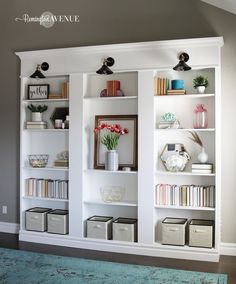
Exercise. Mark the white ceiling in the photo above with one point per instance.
(228, 5)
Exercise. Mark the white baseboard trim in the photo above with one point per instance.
(228, 249)
(11, 228)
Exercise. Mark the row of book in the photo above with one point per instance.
(162, 86)
(47, 188)
(185, 195)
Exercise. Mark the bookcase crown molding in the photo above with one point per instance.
(203, 52)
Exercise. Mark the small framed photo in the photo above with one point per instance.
(37, 92)
(128, 145)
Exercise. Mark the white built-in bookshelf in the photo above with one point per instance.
(136, 67)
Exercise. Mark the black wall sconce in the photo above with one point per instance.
(105, 70)
(38, 74)
(182, 66)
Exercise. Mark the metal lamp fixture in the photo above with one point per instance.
(38, 74)
(182, 66)
(105, 70)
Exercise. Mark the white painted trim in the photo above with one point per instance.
(138, 46)
(228, 249)
(11, 228)
(120, 247)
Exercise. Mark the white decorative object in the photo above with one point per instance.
(37, 116)
(201, 89)
(202, 157)
(112, 193)
(111, 161)
(175, 157)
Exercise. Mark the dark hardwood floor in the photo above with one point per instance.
(226, 265)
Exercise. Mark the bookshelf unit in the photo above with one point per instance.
(136, 67)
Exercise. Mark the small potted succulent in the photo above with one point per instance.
(200, 83)
(37, 111)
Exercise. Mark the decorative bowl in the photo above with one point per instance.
(112, 193)
(38, 161)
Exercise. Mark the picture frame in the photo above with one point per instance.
(38, 91)
(127, 146)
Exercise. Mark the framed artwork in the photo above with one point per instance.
(127, 146)
(37, 92)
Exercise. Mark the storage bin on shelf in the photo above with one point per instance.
(201, 233)
(125, 229)
(99, 227)
(58, 221)
(36, 219)
(173, 231)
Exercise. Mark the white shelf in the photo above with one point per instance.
(185, 247)
(187, 96)
(111, 172)
(183, 173)
(45, 100)
(111, 98)
(46, 169)
(46, 130)
(187, 129)
(45, 198)
(184, 207)
(100, 202)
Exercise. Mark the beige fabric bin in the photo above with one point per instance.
(201, 233)
(173, 231)
(125, 229)
(36, 219)
(99, 227)
(58, 221)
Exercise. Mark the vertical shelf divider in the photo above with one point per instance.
(75, 155)
(145, 157)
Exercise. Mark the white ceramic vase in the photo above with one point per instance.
(37, 116)
(111, 160)
(201, 89)
(202, 157)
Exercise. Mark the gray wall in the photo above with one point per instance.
(104, 22)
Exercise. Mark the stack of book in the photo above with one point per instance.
(36, 124)
(166, 124)
(61, 163)
(202, 168)
(176, 92)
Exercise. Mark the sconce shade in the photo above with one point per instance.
(105, 70)
(182, 66)
(38, 74)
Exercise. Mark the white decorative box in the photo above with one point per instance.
(201, 233)
(36, 219)
(173, 231)
(58, 221)
(125, 229)
(99, 227)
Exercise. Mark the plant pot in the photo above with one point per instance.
(111, 160)
(37, 116)
(202, 157)
(201, 89)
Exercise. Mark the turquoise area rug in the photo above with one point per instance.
(21, 267)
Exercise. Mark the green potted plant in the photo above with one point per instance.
(200, 83)
(37, 111)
